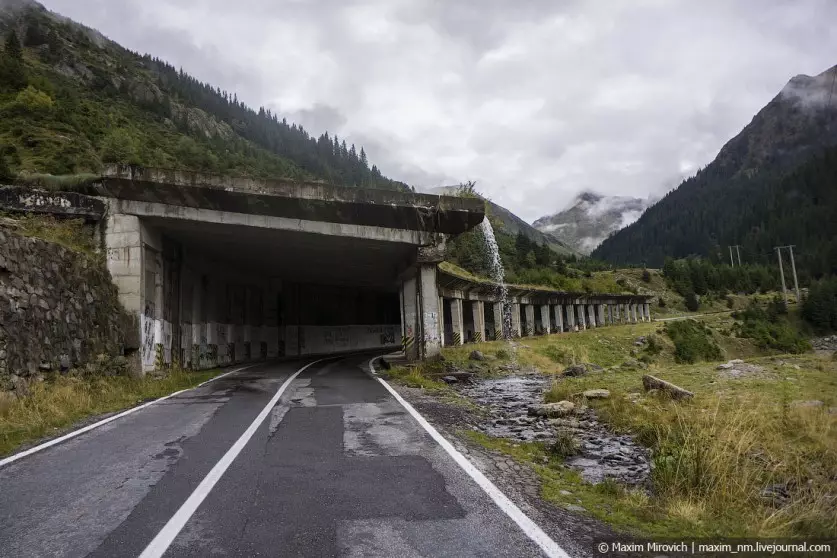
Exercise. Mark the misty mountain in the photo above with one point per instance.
(772, 184)
(512, 224)
(590, 219)
(72, 101)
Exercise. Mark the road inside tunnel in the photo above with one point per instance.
(219, 294)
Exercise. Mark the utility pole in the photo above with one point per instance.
(731, 262)
(795, 280)
(782, 273)
(737, 251)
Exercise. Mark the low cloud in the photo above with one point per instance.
(536, 101)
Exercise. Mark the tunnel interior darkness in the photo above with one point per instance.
(250, 293)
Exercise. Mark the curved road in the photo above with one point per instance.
(337, 468)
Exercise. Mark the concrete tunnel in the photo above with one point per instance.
(219, 271)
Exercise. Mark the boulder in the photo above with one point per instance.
(476, 355)
(581, 370)
(652, 383)
(552, 410)
(811, 403)
(596, 394)
(450, 379)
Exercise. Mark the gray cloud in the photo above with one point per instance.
(536, 101)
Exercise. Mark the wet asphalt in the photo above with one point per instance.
(339, 468)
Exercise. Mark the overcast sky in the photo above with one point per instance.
(534, 100)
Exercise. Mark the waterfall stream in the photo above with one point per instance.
(498, 275)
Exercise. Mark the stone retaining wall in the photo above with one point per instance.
(58, 309)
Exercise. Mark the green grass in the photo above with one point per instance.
(71, 234)
(62, 401)
(712, 455)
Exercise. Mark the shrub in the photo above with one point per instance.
(662, 303)
(770, 329)
(730, 302)
(501, 354)
(565, 445)
(820, 307)
(692, 342)
(646, 275)
(692, 302)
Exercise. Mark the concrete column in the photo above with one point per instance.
(559, 318)
(515, 320)
(431, 344)
(582, 320)
(457, 321)
(570, 308)
(545, 319)
(591, 315)
(441, 321)
(530, 320)
(601, 315)
(647, 308)
(499, 320)
(633, 313)
(409, 300)
(478, 309)
(609, 315)
(198, 325)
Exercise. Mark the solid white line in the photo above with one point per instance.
(89, 427)
(157, 547)
(549, 547)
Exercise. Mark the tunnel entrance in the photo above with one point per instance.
(222, 294)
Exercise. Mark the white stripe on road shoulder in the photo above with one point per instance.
(549, 547)
(89, 427)
(170, 530)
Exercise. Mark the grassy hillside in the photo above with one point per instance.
(72, 100)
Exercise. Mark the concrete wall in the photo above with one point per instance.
(58, 309)
(320, 340)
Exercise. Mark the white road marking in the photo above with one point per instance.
(89, 427)
(549, 547)
(157, 547)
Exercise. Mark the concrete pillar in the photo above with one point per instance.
(478, 310)
(457, 321)
(570, 309)
(559, 318)
(609, 316)
(633, 312)
(499, 321)
(441, 321)
(409, 301)
(647, 311)
(515, 320)
(591, 315)
(545, 319)
(601, 316)
(431, 344)
(529, 310)
(582, 320)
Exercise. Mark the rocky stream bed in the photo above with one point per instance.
(602, 453)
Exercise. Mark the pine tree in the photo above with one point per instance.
(12, 70)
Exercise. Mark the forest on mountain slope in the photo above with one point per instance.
(72, 101)
(772, 185)
(705, 216)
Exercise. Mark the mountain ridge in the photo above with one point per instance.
(85, 101)
(754, 178)
(590, 218)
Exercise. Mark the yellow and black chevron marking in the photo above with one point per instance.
(498, 333)
(407, 342)
(457, 338)
(159, 361)
(477, 337)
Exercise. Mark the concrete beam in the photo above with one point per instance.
(218, 217)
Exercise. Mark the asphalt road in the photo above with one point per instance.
(338, 468)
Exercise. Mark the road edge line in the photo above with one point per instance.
(55, 441)
(529, 527)
(161, 542)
